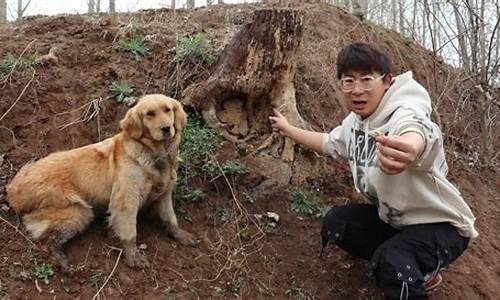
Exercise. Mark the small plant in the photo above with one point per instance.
(194, 48)
(135, 45)
(194, 196)
(44, 271)
(97, 278)
(305, 203)
(294, 290)
(10, 63)
(214, 170)
(121, 90)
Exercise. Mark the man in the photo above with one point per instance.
(417, 222)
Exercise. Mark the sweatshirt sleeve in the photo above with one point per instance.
(334, 143)
(409, 120)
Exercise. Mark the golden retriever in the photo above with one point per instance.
(56, 195)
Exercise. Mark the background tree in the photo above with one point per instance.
(3, 11)
(21, 8)
(190, 4)
(112, 6)
(91, 6)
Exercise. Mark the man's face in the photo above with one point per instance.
(363, 91)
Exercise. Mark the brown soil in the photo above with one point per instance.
(234, 258)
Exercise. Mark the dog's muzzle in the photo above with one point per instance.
(167, 131)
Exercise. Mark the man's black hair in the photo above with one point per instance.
(362, 57)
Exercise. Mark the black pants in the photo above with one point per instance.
(399, 259)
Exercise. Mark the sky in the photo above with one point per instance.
(53, 7)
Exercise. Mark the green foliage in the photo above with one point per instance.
(44, 271)
(194, 196)
(11, 63)
(306, 203)
(121, 90)
(97, 278)
(135, 45)
(293, 289)
(214, 170)
(194, 48)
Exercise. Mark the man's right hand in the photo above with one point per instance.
(307, 138)
(279, 123)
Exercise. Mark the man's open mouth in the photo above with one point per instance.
(359, 102)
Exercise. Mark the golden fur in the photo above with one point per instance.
(56, 195)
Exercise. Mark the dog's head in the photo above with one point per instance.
(156, 117)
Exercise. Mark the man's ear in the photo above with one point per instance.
(180, 117)
(388, 79)
(132, 123)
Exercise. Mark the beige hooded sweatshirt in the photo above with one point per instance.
(421, 193)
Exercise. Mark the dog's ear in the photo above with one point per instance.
(132, 123)
(180, 117)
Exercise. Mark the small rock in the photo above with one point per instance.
(143, 246)
(273, 216)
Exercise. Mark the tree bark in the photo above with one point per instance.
(255, 74)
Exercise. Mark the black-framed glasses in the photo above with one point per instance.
(366, 82)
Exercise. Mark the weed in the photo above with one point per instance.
(11, 63)
(44, 271)
(212, 169)
(3, 289)
(194, 196)
(135, 45)
(65, 284)
(306, 203)
(194, 48)
(121, 90)
(97, 278)
(197, 148)
(169, 293)
(268, 226)
(294, 290)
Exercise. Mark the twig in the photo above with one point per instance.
(38, 288)
(18, 98)
(19, 231)
(110, 274)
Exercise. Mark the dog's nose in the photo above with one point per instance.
(165, 130)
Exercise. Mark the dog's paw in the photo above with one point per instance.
(135, 259)
(183, 237)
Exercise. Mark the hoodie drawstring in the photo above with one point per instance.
(404, 291)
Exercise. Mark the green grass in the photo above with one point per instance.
(194, 48)
(121, 90)
(11, 63)
(135, 45)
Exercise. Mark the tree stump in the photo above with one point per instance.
(255, 74)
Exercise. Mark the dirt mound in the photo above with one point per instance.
(65, 102)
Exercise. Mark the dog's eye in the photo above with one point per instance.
(150, 113)
(167, 109)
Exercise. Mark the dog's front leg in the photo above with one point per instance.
(167, 214)
(123, 208)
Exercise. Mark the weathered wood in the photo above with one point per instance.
(255, 74)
